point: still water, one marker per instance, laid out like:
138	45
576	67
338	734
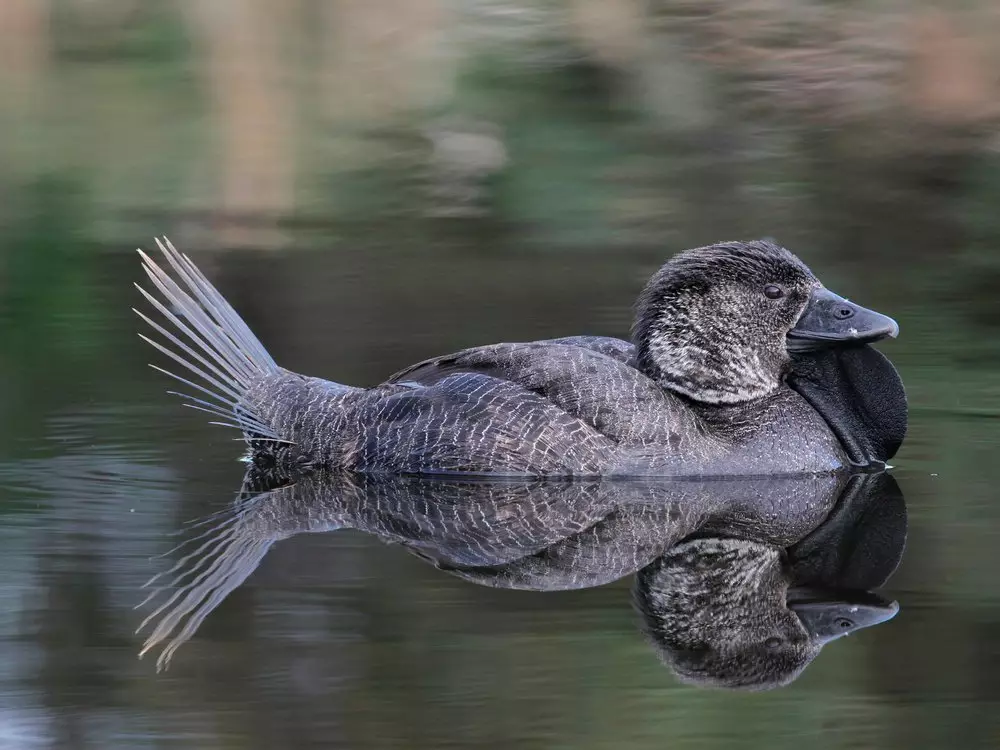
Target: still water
482	622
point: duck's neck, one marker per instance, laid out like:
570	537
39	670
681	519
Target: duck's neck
742	419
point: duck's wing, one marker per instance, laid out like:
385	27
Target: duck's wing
591	378
479	358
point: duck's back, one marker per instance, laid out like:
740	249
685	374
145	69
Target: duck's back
537	408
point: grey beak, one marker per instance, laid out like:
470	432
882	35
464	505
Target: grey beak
829	320
829	619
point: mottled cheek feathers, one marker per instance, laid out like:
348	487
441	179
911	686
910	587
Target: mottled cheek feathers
711	323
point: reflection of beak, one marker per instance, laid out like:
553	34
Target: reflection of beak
829	319
827	618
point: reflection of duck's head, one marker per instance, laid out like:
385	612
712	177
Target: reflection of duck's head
716	323
720	613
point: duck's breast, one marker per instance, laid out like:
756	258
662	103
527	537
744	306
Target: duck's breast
778	435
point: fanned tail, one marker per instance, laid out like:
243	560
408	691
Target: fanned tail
210	340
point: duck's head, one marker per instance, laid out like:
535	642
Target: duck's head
716	323
722	613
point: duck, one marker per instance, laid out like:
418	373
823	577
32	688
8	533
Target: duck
740	363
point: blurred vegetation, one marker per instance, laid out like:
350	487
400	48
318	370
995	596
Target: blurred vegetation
526	163
857	133
576	120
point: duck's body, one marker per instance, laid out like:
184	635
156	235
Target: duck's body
540	408
675	403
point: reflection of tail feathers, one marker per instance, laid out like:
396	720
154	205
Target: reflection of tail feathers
225	355
229	552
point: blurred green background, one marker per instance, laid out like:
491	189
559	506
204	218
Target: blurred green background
371	182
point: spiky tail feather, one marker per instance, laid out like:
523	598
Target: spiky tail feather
225	355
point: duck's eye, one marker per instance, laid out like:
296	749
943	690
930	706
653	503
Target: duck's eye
773	291
772	642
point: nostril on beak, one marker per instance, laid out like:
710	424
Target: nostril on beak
844	313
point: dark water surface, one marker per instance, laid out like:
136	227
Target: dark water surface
340	640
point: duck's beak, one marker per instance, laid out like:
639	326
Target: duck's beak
828	615
829	320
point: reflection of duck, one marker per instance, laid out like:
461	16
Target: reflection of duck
739	613
552	536
709	386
